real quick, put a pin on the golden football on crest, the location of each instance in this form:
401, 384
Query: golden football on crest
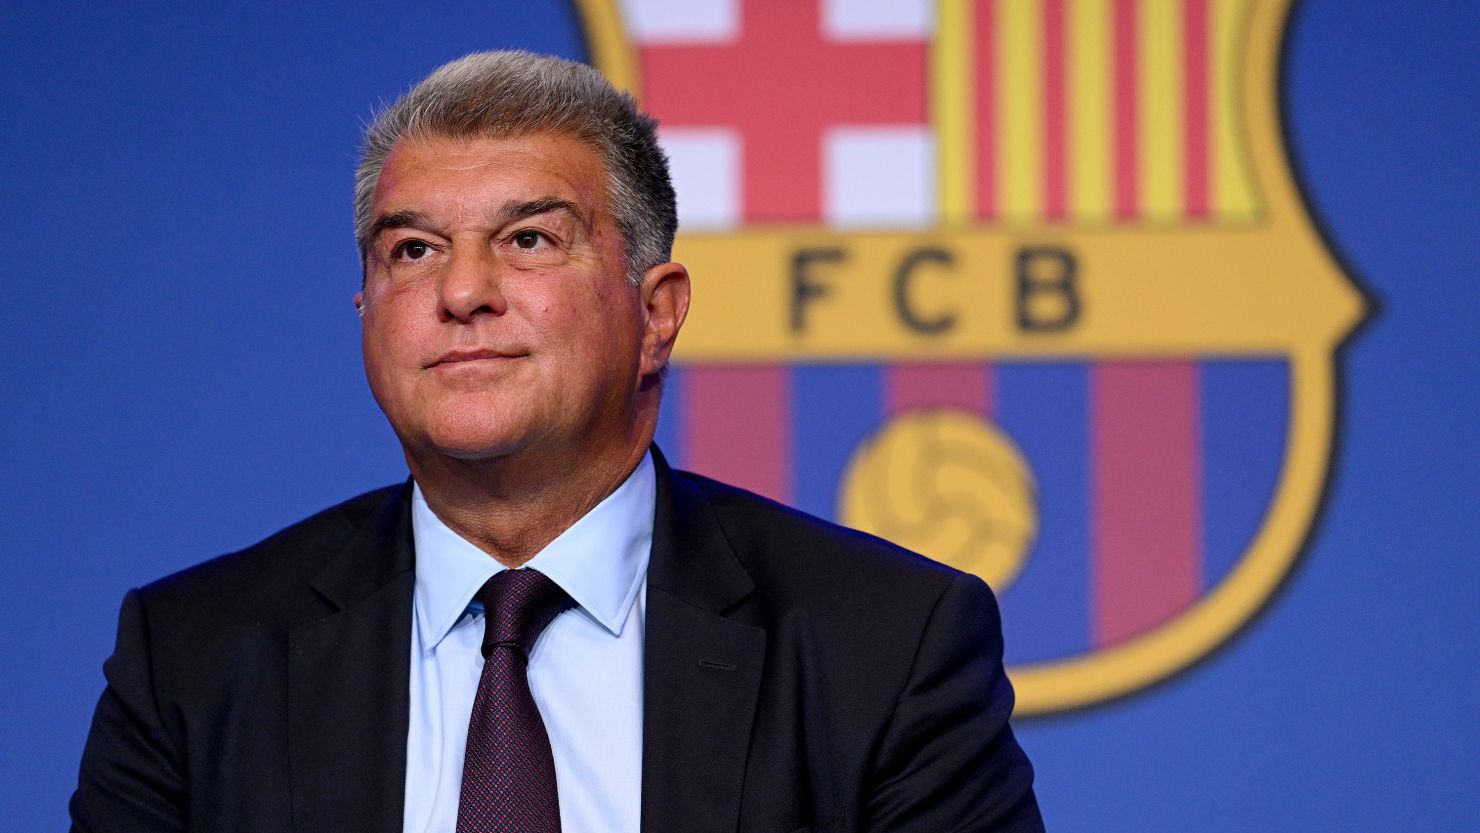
950, 485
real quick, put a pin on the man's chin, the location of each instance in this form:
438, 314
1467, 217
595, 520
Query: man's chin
472, 451
477, 454
466, 447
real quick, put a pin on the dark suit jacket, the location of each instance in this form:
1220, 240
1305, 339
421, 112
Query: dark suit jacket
798, 677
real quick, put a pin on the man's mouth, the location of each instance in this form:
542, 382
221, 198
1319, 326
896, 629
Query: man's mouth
457, 357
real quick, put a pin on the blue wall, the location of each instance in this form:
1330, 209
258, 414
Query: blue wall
180, 376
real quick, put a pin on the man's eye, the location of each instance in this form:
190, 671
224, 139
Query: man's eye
528, 239
412, 250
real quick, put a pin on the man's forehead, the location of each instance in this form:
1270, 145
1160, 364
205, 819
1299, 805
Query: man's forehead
479, 149
542, 164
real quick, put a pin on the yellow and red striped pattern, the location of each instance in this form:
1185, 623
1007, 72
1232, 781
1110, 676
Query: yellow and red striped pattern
1091, 111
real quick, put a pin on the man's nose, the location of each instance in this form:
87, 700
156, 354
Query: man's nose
472, 283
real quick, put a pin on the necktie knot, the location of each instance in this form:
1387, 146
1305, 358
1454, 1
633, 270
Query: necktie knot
517, 605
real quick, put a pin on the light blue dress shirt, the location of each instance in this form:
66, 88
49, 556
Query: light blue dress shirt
585, 671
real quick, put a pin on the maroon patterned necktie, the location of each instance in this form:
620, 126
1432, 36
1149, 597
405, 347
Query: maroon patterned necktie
508, 783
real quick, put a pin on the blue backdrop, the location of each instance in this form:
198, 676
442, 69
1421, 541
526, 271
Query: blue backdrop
180, 376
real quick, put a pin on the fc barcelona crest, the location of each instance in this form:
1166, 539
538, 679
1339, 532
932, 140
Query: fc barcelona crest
1024, 285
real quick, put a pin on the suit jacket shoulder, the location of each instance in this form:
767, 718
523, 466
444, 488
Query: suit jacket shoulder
240, 689
880, 701
255, 577
800, 557
865, 600
269, 586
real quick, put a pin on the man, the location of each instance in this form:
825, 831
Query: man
547, 628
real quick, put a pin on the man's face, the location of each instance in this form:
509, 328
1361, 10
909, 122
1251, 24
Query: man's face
497, 313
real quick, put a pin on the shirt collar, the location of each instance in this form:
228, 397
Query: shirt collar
600, 561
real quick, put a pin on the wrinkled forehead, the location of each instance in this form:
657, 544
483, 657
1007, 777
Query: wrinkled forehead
563, 157
567, 138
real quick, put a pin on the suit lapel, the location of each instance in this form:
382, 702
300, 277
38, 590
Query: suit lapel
702, 670
348, 681
348, 676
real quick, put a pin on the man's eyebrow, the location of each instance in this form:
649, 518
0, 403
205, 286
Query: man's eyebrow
399, 219
509, 212
513, 211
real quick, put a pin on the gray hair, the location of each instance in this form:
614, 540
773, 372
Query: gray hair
511, 94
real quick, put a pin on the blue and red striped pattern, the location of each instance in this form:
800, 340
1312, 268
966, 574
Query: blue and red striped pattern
1153, 476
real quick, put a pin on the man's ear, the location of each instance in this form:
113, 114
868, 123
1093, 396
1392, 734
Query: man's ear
360, 303
665, 303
